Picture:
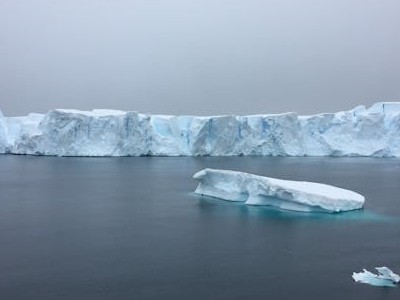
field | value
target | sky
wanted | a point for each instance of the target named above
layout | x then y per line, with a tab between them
199	57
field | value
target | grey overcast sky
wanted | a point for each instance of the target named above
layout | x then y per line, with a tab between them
198	57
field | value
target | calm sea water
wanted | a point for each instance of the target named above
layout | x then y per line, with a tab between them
131	228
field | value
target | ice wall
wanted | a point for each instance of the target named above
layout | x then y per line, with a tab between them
3	134
357	132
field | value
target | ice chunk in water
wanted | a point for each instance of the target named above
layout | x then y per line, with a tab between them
385	277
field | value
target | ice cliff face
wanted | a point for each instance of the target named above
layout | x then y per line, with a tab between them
3	134
74	133
358	132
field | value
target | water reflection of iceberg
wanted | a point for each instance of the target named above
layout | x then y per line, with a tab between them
270	212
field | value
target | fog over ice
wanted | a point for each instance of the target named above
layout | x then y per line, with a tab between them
198	57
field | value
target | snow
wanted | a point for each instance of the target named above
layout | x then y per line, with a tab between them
385	277
94	113
284	194
66	132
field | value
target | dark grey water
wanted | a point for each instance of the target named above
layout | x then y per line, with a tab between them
130	228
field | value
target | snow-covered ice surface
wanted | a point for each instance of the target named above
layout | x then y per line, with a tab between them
385	277
284	194
358	132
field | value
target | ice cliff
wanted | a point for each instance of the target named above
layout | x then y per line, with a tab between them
3	134
284	194
358	132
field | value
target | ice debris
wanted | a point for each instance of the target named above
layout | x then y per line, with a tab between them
385	277
284	194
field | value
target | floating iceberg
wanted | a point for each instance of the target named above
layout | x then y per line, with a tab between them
62	132
385	277
284	194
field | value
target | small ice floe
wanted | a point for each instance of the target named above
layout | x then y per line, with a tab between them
385	277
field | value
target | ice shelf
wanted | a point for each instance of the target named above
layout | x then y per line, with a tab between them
358	132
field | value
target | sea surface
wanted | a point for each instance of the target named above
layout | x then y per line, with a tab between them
132	228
